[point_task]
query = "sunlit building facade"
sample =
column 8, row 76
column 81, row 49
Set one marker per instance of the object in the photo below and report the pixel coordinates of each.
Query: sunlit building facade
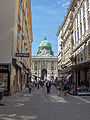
column 15, row 42
column 44, row 65
column 78, row 55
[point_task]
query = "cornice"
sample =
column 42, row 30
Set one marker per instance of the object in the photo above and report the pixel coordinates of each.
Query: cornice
column 73, row 3
column 65, row 18
column 44, row 57
column 78, row 8
column 58, row 31
column 69, row 9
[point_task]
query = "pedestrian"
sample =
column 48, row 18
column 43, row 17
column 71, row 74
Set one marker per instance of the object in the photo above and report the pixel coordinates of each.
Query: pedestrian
column 58, row 87
column 30, row 86
column 38, row 85
column 48, row 86
column 1, row 93
column 65, row 86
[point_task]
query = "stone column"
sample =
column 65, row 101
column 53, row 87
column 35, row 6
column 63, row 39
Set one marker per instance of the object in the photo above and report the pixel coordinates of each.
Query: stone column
column 86, row 17
column 33, row 65
column 76, row 30
column 82, row 21
column 79, row 26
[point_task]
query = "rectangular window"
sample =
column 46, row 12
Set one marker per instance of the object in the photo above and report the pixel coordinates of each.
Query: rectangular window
column 83, row 9
column 19, row 9
column 84, row 25
column 23, row 1
column 77, row 19
column 18, row 40
column 81, row 56
column 85, row 52
column 81, row 29
column 52, row 66
column 80, row 15
column 78, row 57
column 75, row 38
column 87, row 4
column 23, row 22
column 35, row 66
column 78, row 35
column 89, row 22
column 21, row 46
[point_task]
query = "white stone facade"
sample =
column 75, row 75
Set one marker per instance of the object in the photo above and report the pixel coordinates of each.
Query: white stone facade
column 81, row 31
column 74, row 36
column 48, row 63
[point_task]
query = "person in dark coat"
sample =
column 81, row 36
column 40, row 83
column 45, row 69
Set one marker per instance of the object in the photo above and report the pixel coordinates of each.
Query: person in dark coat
column 65, row 86
column 48, row 86
column 30, row 86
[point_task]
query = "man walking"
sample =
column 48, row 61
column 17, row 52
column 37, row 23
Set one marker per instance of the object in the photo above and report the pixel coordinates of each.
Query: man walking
column 65, row 86
column 48, row 86
column 30, row 86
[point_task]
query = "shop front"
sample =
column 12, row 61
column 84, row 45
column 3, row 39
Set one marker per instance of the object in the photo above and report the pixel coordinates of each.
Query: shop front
column 81, row 77
column 20, row 75
column 5, row 77
column 17, row 82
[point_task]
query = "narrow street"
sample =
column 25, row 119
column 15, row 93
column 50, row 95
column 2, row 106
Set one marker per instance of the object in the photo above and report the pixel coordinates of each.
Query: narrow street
column 40, row 106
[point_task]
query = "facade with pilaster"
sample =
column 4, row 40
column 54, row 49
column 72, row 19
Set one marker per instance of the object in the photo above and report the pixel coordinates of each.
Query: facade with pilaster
column 79, row 41
column 15, row 39
column 44, row 65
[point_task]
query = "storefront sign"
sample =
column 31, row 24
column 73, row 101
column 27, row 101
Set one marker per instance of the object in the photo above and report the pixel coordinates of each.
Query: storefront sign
column 22, row 55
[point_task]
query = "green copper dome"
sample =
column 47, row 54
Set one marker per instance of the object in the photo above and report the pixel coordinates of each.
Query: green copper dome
column 45, row 48
column 45, row 43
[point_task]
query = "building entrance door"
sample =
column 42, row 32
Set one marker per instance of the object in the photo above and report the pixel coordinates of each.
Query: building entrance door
column 44, row 74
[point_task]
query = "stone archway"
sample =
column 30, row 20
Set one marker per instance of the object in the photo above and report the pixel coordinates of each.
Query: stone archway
column 44, row 74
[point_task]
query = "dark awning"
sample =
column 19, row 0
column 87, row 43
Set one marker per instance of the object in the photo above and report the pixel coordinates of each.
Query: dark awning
column 81, row 65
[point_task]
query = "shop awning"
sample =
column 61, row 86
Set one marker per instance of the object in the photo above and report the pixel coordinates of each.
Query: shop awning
column 81, row 65
column 68, row 76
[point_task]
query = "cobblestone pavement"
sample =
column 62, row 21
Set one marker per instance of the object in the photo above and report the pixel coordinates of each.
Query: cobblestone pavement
column 41, row 106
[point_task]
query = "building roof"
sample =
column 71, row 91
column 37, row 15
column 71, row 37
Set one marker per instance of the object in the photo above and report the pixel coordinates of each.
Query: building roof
column 45, row 48
column 45, row 43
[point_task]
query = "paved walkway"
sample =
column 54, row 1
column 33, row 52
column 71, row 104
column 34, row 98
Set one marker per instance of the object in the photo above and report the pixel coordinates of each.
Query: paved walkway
column 40, row 106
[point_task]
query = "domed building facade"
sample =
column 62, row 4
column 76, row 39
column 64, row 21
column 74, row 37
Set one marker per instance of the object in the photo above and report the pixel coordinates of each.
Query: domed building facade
column 44, row 65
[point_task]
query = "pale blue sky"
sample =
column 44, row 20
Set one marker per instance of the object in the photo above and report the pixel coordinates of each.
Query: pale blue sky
column 47, row 15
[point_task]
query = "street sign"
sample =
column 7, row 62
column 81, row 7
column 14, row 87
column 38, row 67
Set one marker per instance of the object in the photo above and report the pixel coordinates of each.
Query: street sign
column 22, row 55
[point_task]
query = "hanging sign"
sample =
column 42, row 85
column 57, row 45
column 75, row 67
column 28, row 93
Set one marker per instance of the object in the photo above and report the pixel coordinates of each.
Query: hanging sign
column 22, row 55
